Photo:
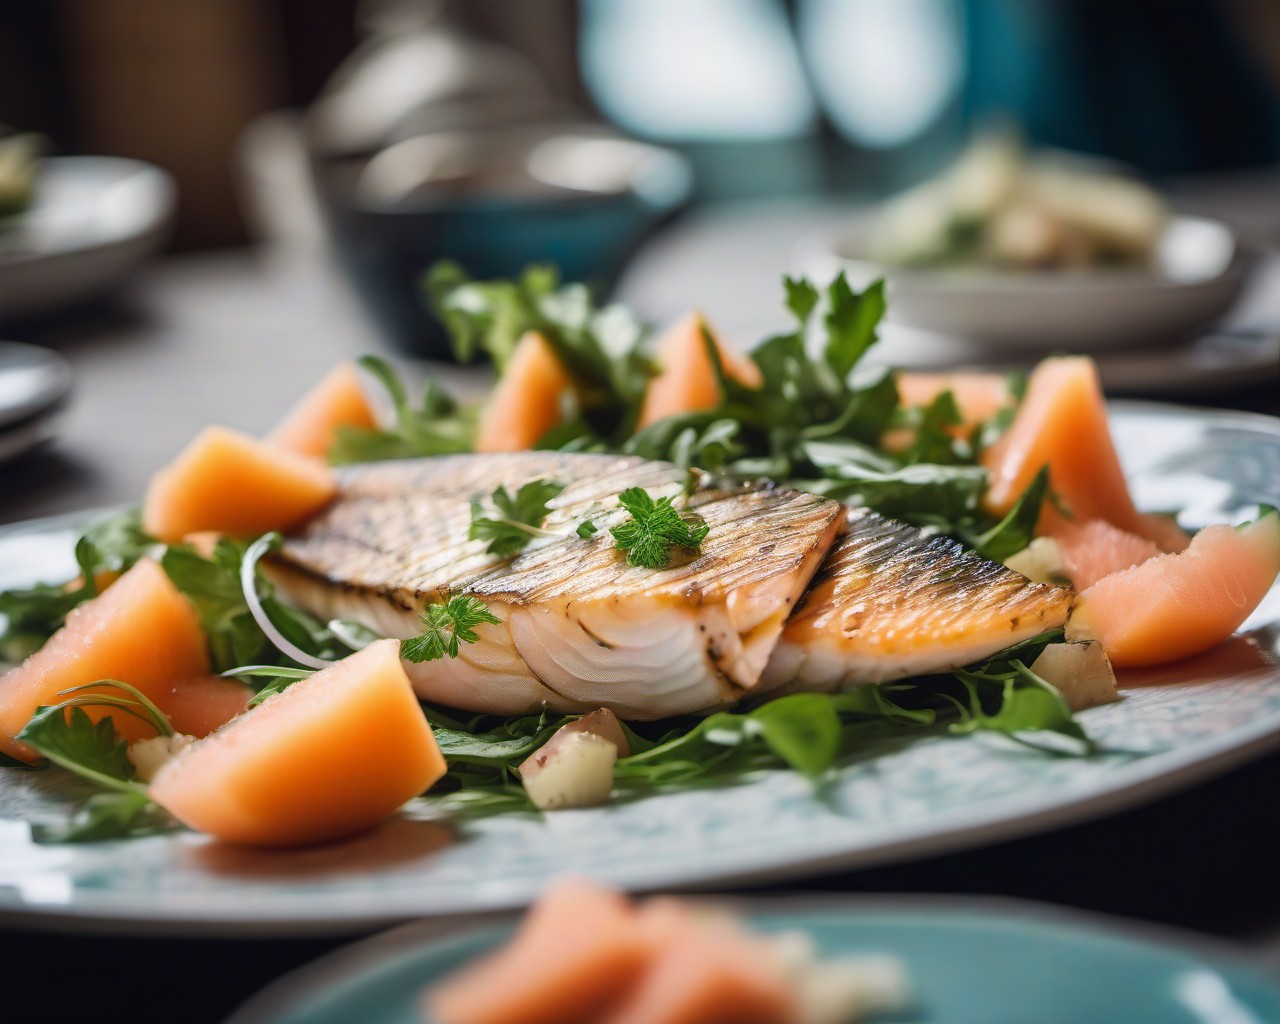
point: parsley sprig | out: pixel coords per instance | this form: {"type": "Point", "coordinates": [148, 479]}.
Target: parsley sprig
{"type": "Point", "coordinates": [445, 626]}
{"type": "Point", "coordinates": [656, 527]}
{"type": "Point", "coordinates": [512, 521]}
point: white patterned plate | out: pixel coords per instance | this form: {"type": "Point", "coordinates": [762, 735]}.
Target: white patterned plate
{"type": "Point", "coordinates": [1183, 724]}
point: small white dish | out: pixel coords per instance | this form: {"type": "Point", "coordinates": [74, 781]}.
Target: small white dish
{"type": "Point", "coordinates": [94, 220]}
{"type": "Point", "coordinates": [1200, 269]}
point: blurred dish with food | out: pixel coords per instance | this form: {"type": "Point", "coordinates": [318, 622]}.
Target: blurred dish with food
{"type": "Point", "coordinates": [822, 960]}
{"type": "Point", "coordinates": [72, 228]}
{"type": "Point", "coordinates": [1033, 251]}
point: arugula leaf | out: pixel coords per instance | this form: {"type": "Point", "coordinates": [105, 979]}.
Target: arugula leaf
{"type": "Point", "coordinates": [924, 494]}
{"type": "Point", "coordinates": [599, 347]}
{"type": "Point", "coordinates": [106, 816]}
{"type": "Point", "coordinates": [438, 426]}
{"type": "Point", "coordinates": [803, 729]}
{"type": "Point", "coordinates": [516, 520]}
{"type": "Point", "coordinates": [68, 738]}
{"type": "Point", "coordinates": [445, 626]}
{"type": "Point", "coordinates": [655, 527]}
{"type": "Point", "coordinates": [802, 297]}
{"type": "Point", "coordinates": [1017, 529]}
{"type": "Point", "coordinates": [934, 441]}
{"type": "Point", "coordinates": [851, 323]}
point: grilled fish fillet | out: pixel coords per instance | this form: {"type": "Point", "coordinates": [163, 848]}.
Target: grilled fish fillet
{"type": "Point", "coordinates": [891, 602]}
{"type": "Point", "coordinates": [580, 628]}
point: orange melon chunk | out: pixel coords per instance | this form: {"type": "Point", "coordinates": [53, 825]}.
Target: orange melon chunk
{"type": "Point", "coordinates": [333, 754]}
{"type": "Point", "coordinates": [711, 976]}
{"type": "Point", "coordinates": [309, 428]}
{"type": "Point", "coordinates": [142, 631]}
{"type": "Point", "coordinates": [686, 380]}
{"type": "Point", "coordinates": [199, 705]}
{"type": "Point", "coordinates": [1062, 424]}
{"type": "Point", "coordinates": [979, 396]}
{"type": "Point", "coordinates": [229, 482]}
{"type": "Point", "coordinates": [1094, 548]}
{"type": "Point", "coordinates": [1177, 605]}
{"type": "Point", "coordinates": [526, 403]}
{"type": "Point", "coordinates": [576, 953]}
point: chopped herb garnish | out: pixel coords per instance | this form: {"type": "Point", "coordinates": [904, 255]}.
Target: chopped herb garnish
{"type": "Point", "coordinates": [445, 626]}
{"type": "Point", "coordinates": [654, 529]}
{"type": "Point", "coordinates": [513, 521]}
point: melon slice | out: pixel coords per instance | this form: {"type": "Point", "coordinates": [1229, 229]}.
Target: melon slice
{"type": "Point", "coordinates": [527, 400]}
{"type": "Point", "coordinates": [198, 705]}
{"type": "Point", "coordinates": [1094, 548]}
{"type": "Point", "coordinates": [576, 954]}
{"type": "Point", "coordinates": [333, 754]}
{"type": "Point", "coordinates": [1176, 605]}
{"type": "Point", "coordinates": [311, 426]}
{"type": "Point", "coordinates": [229, 482]}
{"type": "Point", "coordinates": [142, 631]}
{"type": "Point", "coordinates": [979, 396]}
{"type": "Point", "coordinates": [1062, 424]}
{"type": "Point", "coordinates": [686, 380]}
{"type": "Point", "coordinates": [708, 975]}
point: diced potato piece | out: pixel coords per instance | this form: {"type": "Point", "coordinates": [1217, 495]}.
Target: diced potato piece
{"type": "Point", "coordinates": [1080, 671]}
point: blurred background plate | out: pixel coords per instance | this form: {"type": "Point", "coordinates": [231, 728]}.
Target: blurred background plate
{"type": "Point", "coordinates": [94, 220]}
{"type": "Point", "coordinates": [967, 961]}
{"type": "Point", "coordinates": [1200, 269]}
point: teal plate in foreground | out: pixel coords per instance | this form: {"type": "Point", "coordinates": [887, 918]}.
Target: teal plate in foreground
{"type": "Point", "coordinates": [1174, 727]}
{"type": "Point", "coordinates": [967, 962]}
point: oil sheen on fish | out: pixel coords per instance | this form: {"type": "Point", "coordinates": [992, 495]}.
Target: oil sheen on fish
{"type": "Point", "coordinates": [580, 628]}
{"type": "Point", "coordinates": [891, 601]}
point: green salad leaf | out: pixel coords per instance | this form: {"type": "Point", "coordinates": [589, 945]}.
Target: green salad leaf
{"type": "Point", "coordinates": [71, 740]}
{"type": "Point", "coordinates": [512, 521]}
{"type": "Point", "coordinates": [445, 625]}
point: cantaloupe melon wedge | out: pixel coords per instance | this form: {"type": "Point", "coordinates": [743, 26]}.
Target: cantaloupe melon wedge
{"type": "Point", "coordinates": [1177, 605]}
{"type": "Point", "coordinates": [979, 396]}
{"type": "Point", "coordinates": [711, 976]}
{"type": "Point", "coordinates": [1094, 548]}
{"type": "Point", "coordinates": [232, 483]}
{"type": "Point", "coordinates": [200, 704]}
{"type": "Point", "coordinates": [576, 954]}
{"type": "Point", "coordinates": [333, 754]}
{"type": "Point", "coordinates": [686, 380]}
{"type": "Point", "coordinates": [1062, 424]}
{"type": "Point", "coordinates": [141, 631]}
{"type": "Point", "coordinates": [309, 428]}
{"type": "Point", "coordinates": [527, 400]}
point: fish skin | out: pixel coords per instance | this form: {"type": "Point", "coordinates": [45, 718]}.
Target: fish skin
{"type": "Point", "coordinates": [580, 628]}
{"type": "Point", "coordinates": [891, 602]}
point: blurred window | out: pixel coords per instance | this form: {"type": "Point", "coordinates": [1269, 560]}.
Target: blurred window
{"type": "Point", "coordinates": [696, 69]}
{"type": "Point", "coordinates": [885, 70]}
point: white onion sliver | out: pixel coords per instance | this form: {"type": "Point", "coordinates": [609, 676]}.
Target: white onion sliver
{"type": "Point", "coordinates": [248, 584]}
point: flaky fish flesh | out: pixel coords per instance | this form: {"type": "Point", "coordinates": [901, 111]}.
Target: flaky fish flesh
{"type": "Point", "coordinates": [581, 629]}
{"type": "Point", "coordinates": [892, 601]}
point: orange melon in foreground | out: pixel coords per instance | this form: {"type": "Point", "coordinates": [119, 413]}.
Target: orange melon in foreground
{"type": "Point", "coordinates": [333, 754]}
{"type": "Point", "coordinates": [577, 953]}
{"type": "Point", "coordinates": [198, 705]}
{"type": "Point", "coordinates": [711, 976]}
{"type": "Point", "coordinates": [527, 400]}
{"type": "Point", "coordinates": [1062, 424]}
{"type": "Point", "coordinates": [1177, 605]}
{"type": "Point", "coordinates": [230, 482]}
{"type": "Point", "coordinates": [311, 426]}
{"type": "Point", "coordinates": [142, 631]}
{"type": "Point", "coordinates": [686, 379]}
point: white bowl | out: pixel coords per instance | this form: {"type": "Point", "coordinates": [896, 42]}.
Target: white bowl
{"type": "Point", "coordinates": [95, 219]}
{"type": "Point", "coordinates": [1200, 270]}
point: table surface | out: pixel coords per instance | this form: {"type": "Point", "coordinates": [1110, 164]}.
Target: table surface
{"type": "Point", "coordinates": [232, 338]}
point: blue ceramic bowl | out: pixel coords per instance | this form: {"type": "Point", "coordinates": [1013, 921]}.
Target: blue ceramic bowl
{"type": "Point", "coordinates": [495, 200]}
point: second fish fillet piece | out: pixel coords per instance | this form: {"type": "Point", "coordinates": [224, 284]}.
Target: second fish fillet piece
{"type": "Point", "coordinates": [892, 601]}
{"type": "Point", "coordinates": [581, 629]}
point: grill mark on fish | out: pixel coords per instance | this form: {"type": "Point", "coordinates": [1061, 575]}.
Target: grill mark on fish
{"type": "Point", "coordinates": [687, 638]}
{"type": "Point", "coordinates": [891, 602]}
